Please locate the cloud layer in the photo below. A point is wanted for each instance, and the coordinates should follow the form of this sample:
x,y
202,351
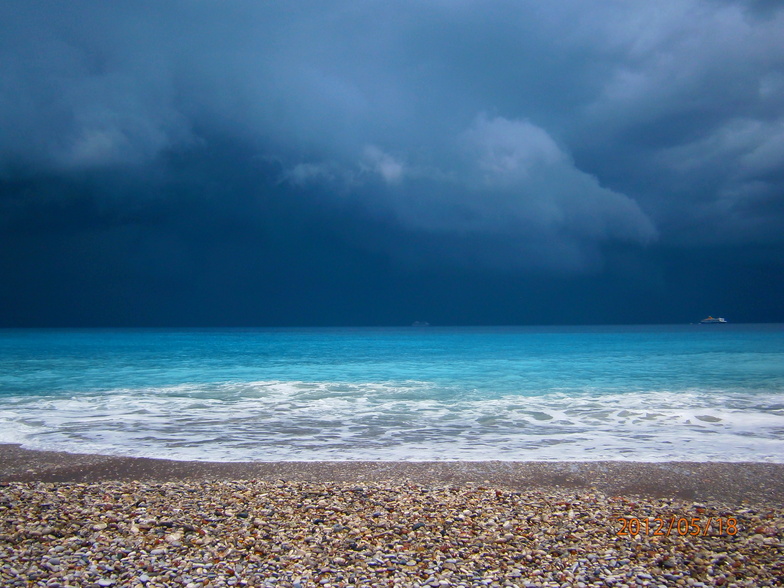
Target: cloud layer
x,y
514,137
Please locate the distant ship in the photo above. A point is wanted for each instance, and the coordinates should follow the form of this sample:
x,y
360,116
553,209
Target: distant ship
x,y
711,321
420,324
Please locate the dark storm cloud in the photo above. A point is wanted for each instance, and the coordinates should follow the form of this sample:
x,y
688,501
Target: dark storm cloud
x,y
217,144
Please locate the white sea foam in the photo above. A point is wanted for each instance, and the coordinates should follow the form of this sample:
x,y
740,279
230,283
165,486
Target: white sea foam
x,y
409,420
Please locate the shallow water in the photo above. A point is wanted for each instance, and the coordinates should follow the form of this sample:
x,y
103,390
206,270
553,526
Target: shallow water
x,y
653,393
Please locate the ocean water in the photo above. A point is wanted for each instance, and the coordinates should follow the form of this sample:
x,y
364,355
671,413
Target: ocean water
x,y
653,393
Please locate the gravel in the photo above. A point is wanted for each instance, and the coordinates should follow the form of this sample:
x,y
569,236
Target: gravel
x,y
296,534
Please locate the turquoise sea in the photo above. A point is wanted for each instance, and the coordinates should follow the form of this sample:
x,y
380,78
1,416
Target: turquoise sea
x,y
652,393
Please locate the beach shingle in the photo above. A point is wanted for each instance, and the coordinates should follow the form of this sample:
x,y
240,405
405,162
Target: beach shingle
x,y
289,534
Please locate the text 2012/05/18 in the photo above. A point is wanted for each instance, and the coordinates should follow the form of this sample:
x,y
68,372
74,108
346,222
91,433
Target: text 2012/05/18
x,y
664,527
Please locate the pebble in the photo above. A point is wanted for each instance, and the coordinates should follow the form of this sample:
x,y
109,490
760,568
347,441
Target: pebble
x,y
299,535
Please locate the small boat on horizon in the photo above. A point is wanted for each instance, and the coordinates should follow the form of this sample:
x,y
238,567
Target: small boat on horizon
x,y
712,321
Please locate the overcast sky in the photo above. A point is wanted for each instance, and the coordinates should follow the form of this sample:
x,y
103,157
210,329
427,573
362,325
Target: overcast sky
x,y
375,163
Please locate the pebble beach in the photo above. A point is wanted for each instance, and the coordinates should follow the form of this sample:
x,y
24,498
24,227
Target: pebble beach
x,y
100,521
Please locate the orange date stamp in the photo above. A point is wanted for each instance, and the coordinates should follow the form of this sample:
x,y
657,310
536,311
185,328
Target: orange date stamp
x,y
682,526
